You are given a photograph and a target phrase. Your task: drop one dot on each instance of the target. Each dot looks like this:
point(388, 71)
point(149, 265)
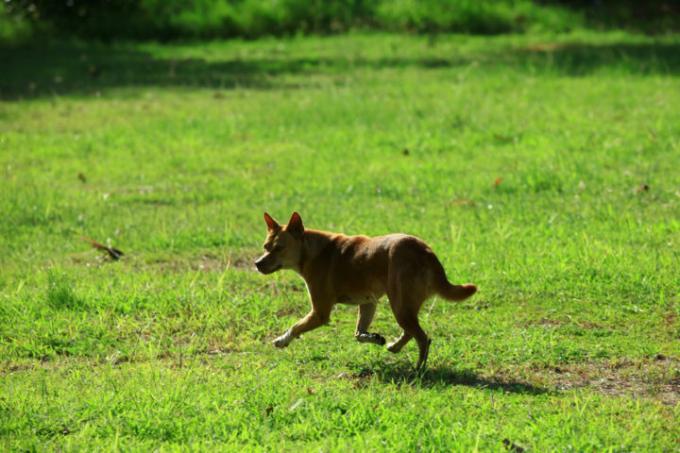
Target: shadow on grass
point(402, 374)
point(34, 70)
point(583, 59)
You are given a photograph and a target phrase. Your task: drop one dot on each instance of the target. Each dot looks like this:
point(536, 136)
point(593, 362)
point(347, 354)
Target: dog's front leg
point(315, 318)
point(366, 313)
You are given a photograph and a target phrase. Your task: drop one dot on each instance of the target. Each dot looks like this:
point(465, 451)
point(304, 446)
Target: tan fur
point(359, 270)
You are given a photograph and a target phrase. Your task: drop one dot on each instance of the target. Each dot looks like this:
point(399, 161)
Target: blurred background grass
point(200, 19)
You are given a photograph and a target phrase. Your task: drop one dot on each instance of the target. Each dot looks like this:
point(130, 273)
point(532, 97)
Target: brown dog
point(359, 270)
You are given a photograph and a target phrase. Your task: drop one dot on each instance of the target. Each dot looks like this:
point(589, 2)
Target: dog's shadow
point(441, 376)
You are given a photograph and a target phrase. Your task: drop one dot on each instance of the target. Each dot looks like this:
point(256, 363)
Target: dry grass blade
point(113, 252)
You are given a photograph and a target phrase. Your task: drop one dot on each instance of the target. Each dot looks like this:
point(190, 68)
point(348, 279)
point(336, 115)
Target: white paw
point(283, 341)
point(394, 347)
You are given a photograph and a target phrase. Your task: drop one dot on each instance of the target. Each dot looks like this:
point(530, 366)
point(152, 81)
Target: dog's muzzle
point(264, 267)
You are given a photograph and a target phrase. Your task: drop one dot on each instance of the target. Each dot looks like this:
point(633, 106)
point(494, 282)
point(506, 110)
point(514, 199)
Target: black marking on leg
point(366, 337)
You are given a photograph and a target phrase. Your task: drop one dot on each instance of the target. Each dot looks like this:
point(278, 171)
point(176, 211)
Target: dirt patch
point(11, 367)
point(359, 379)
point(554, 323)
point(204, 262)
point(544, 47)
point(286, 311)
point(657, 378)
point(462, 202)
point(589, 325)
point(90, 259)
point(545, 322)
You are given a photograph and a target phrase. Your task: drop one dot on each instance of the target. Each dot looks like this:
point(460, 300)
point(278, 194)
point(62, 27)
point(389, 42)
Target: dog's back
point(360, 266)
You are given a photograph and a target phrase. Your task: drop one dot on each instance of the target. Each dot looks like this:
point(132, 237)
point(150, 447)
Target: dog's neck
point(313, 243)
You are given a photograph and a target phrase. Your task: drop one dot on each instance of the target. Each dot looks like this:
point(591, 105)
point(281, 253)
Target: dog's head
point(283, 246)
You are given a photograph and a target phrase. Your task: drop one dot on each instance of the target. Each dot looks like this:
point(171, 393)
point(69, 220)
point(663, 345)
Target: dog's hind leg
point(366, 313)
point(407, 294)
point(399, 343)
point(409, 322)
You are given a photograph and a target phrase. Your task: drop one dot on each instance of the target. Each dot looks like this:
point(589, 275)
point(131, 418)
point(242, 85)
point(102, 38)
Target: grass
point(541, 168)
point(151, 19)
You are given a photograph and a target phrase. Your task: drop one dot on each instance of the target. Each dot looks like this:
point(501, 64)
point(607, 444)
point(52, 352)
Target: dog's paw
point(365, 337)
point(283, 341)
point(280, 342)
point(394, 347)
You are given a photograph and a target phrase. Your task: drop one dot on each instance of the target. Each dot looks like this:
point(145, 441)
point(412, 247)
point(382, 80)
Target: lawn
point(542, 168)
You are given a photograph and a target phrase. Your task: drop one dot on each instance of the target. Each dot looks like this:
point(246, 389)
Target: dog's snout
point(260, 264)
point(266, 265)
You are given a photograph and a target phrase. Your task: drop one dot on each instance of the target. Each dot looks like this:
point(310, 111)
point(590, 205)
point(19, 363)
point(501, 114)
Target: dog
point(358, 270)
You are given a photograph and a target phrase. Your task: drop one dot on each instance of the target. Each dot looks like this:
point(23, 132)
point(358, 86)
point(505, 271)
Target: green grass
point(542, 168)
point(153, 19)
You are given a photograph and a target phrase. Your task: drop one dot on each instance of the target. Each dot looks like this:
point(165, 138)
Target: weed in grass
point(60, 294)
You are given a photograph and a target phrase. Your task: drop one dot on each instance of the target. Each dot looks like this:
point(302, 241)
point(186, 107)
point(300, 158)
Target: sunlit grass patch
point(541, 168)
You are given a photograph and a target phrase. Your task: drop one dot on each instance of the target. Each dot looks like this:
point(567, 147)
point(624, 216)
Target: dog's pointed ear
point(295, 226)
point(272, 225)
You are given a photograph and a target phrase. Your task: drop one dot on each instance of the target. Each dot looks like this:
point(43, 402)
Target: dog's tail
point(456, 292)
point(448, 291)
